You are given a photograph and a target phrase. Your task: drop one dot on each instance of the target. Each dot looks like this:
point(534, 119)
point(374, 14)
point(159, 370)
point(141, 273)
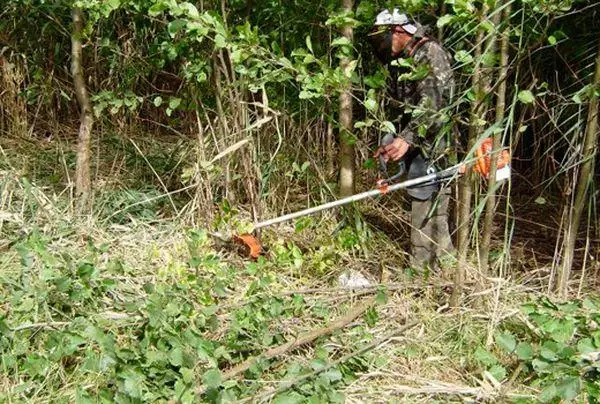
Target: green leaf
point(371, 105)
point(552, 40)
point(549, 350)
point(192, 11)
point(333, 375)
point(381, 297)
point(463, 57)
point(540, 366)
point(569, 387)
point(175, 26)
point(526, 97)
point(158, 101)
point(212, 378)
point(174, 103)
point(388, 127)
point(289, 398)
point(506, 341)
point(133, 382)
point(524, 351)
point(486, 358)
point(586, 345)
point(548, 393)
point(590, 304)
point(540, 200)
point(220, 42)
point(444, 20)
point(157, 9)
point(176, 357)
point(309, 44)
point(498, 371)
point(341, 41)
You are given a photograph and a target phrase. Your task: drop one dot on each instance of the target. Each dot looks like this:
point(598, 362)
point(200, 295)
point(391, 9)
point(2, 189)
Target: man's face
point(388, 42)
point(400, 40)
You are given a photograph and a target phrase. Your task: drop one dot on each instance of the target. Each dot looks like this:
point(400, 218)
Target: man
point(421, 87)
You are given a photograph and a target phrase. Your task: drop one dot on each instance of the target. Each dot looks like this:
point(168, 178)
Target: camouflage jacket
point(421, 89)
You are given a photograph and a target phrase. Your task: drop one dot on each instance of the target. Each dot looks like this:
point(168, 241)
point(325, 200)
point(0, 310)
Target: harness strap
point(417, 45)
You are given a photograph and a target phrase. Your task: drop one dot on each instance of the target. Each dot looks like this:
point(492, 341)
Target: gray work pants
point(430, 235)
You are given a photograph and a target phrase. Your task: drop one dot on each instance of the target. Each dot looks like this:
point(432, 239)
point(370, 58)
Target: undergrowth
point(141, 309)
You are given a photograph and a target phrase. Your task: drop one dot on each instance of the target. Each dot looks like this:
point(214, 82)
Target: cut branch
point(283, 387)
point(300, 341)
point(82, 169)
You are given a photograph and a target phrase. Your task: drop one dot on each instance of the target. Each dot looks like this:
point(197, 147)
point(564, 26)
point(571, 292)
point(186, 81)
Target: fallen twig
point(284, 386)
point(50, 324)
point(301, 340)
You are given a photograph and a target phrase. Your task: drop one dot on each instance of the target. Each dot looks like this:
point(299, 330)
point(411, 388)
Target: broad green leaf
point(341, 41)
point(590, 304)
point(559, 330)
point(175, 26)
point(184, 393)
point(290, 397)
point(212, 378)
point(540, 200)
point(333, 375)
point(498, 372)
point(158, 101)
point(191, 9)
point(483, 356)
point(464, 57)
point(524, 351)
point(540, 366)
point(304, 95)
point(176, 357)
point(133, 382)
point(526, 97)
point(506, 341)
point(157, 9)
point(548, 350)
point(174, 103)
point(548, 393)
point(381, 297)
point(569, 387)
point(387, 126)
point(444, 20)
point(220, 42)
point(371, 105)
point(552, 40)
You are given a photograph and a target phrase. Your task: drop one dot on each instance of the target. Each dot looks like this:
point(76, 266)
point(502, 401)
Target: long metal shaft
point(447, 173)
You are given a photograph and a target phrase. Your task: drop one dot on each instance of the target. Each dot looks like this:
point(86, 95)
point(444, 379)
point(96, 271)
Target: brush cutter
point(384, 186)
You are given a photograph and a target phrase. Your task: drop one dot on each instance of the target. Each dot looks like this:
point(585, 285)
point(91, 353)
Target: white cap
point(395, 18)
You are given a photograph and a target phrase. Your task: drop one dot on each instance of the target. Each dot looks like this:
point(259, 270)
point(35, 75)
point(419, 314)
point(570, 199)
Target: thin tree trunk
point(586, 176)
point(465, 191)
point(82, 169)
point(490, 206)
point(346, 148)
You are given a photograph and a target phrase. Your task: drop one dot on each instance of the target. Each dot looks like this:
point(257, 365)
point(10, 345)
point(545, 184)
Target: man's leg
point(430, 234)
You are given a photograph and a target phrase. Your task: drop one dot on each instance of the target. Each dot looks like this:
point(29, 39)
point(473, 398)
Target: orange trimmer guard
point(254, 249)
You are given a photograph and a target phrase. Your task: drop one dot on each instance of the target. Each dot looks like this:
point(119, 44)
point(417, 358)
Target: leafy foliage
point(88, 318)
point(557, 347)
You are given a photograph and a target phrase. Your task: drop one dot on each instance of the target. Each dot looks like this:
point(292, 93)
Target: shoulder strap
point(417, 45)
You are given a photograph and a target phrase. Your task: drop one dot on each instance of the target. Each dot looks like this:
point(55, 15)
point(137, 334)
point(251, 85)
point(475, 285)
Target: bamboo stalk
point(586, 177)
